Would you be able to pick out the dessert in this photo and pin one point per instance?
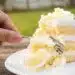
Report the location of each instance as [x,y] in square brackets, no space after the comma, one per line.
[53,43]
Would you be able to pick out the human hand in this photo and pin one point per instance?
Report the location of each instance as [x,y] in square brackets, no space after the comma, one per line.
[8,32]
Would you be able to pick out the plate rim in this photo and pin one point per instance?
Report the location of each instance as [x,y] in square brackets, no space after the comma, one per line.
[13,70]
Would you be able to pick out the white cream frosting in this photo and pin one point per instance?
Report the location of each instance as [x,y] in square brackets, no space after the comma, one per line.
[39,32]
[58,17]
[69,38]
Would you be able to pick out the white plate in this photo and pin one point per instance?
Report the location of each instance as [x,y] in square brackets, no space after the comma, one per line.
[15,64]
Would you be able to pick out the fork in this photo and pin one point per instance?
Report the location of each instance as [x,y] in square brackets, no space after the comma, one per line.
[59,47]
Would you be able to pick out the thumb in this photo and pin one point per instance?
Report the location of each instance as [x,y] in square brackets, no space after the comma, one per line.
[9,36]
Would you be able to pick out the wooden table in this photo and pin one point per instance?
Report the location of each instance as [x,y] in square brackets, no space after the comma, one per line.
[6,50]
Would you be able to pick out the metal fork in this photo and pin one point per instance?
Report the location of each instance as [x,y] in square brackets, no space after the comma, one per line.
[59,47]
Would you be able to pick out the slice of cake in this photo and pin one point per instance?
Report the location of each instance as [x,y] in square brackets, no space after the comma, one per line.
[43,51]
[61,23]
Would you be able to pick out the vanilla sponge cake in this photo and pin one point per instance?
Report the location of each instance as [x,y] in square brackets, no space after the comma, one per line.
[61,25]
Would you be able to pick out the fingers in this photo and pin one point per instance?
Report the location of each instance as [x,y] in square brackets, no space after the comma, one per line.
[6,22]
[8,32]
[9,36]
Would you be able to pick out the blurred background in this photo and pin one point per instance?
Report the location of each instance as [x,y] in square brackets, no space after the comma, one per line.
[26,13]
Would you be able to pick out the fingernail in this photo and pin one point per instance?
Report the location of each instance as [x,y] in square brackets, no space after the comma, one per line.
[16,39]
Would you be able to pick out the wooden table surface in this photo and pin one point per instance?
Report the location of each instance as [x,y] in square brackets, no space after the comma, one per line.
[6,50]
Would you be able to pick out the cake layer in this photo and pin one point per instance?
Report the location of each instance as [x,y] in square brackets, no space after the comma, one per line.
[70,56]
[63,30]
[52,31]
[66,30]
[68,37]
[70,46]
[38,46]
[69,42]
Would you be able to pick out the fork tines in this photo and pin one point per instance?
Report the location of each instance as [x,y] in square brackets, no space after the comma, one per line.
[59,47]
